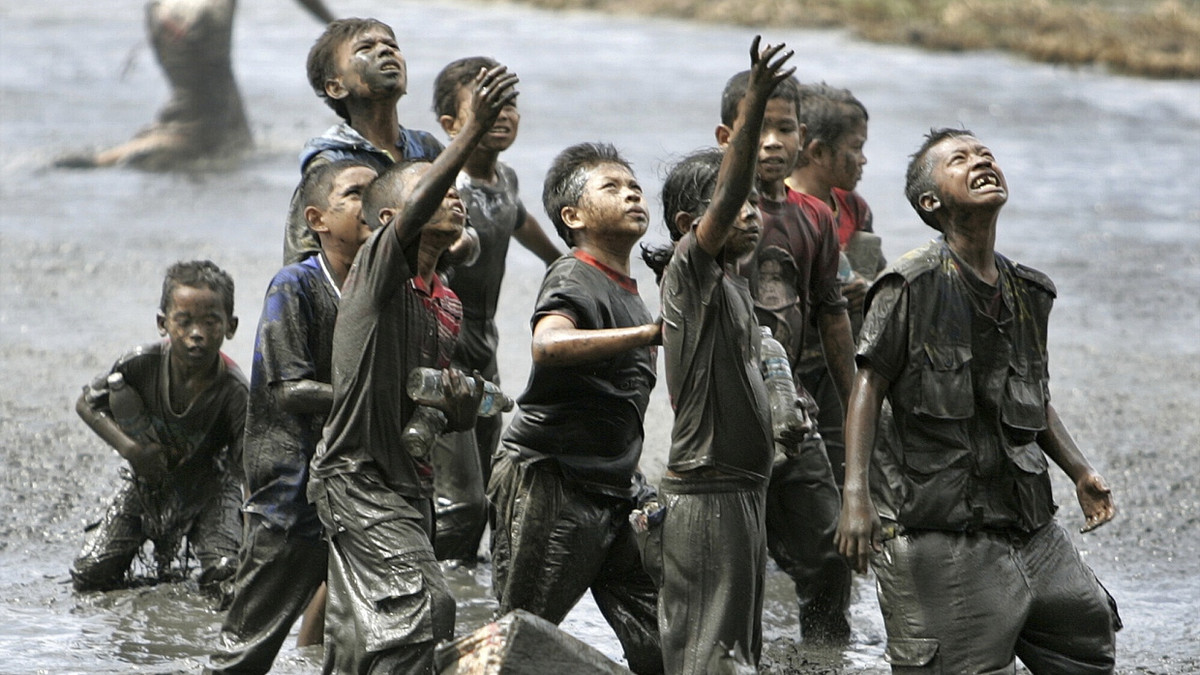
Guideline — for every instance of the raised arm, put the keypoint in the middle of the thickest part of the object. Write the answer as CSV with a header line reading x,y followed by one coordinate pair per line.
x,y
317,9
493,90
736,175
1095,497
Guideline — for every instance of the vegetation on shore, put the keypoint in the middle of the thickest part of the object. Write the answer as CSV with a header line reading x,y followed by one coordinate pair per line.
x,y
1149,38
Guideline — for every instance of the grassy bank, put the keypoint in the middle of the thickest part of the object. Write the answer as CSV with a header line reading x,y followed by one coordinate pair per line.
x,y
1150,38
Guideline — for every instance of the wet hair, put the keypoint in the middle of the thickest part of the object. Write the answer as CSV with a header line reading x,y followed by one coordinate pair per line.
x,y
455,76
567,176
735,91
688,188
322,58
828,113
386,191
918,179
197,274
318,181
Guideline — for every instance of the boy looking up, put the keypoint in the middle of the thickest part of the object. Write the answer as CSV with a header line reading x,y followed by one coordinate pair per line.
x,y
793,276
284,556
489,189
827,170
972,568
185,476
388,602
357,68
713,554
566,479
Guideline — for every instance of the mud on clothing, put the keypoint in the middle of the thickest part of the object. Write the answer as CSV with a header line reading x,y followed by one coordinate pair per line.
x,y
464,460
587,419
960,472
713,540
565,484
342,142
200,494
794,280
283,558
387,599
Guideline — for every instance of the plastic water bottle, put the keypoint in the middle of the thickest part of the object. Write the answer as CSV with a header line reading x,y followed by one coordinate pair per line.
x,y
128,410
423,429
425,387
787,420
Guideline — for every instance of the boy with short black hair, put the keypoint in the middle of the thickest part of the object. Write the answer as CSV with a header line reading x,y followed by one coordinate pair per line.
x,y
185,476
283,559
488,187
793,276
827,170
388,601
713,540
357,68
566,478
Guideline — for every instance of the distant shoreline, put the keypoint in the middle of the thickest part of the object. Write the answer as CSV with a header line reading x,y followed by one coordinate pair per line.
x,y
1153,39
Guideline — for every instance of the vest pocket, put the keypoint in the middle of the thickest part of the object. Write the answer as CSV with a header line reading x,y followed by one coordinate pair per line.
x,y
946,390
1023,410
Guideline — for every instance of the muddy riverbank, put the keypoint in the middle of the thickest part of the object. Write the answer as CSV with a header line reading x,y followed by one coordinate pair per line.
x,y
1104,199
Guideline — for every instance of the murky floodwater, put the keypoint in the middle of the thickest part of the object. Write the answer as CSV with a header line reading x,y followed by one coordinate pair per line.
x,y
1106,199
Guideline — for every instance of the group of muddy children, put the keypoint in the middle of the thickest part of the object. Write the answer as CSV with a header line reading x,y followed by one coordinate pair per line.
x,y
394,253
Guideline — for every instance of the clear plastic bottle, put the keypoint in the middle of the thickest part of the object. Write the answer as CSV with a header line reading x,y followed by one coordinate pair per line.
x,y
423,429
787,420
128,410
425,387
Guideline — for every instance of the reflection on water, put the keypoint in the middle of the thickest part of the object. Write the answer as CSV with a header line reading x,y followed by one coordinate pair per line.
x,y
1105,199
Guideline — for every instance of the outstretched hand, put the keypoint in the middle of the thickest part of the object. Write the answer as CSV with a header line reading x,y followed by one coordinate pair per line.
x,y
766,71
493,90
1095,498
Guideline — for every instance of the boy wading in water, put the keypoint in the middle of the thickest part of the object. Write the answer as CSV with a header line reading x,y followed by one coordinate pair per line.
x,y
284,557
488,187
186,468
566,478
388,601
711,550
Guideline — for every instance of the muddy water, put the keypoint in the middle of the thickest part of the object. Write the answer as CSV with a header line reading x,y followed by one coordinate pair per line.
x,y
1106,199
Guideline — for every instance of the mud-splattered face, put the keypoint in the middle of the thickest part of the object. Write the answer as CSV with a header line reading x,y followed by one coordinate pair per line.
x,y
370,65
779,142
343,216
611,206
747,230
847,159
197,325
966,174
504,130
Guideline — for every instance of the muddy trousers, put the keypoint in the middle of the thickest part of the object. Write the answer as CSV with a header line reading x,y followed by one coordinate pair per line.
x,y
554,541
713,556
213,531
388,603
462,466
968,602
803,506
278,573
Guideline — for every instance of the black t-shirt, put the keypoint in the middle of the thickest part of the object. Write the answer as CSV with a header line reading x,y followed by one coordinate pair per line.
x,y
388,323
588,418
496,212
203,442
294,342
711,342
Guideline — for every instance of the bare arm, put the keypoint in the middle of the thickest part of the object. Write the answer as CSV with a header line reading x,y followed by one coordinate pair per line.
x,y
557,342
533,237
1095,497
149,461
838,345
858,530
736,175
317,9
304,396
493,90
